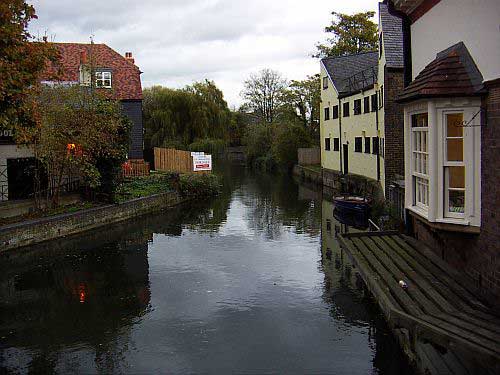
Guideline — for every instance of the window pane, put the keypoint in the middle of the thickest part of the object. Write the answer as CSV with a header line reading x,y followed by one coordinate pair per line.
x,y
419,120
456,201
455,149
456,177
454,122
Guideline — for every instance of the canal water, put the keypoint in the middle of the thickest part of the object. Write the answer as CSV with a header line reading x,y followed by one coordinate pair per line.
x,y
252,281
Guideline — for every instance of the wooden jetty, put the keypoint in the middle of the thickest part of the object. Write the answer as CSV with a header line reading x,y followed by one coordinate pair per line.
x,y
438,318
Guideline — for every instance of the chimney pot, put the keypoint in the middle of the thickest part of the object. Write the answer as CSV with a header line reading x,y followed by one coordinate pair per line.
x,y
83,56
128,56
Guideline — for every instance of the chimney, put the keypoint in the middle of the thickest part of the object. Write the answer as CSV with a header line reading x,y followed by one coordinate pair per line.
x,y
128,56
83,57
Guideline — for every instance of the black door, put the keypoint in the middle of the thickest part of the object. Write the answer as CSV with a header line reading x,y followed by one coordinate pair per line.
x,y
21,176
346,159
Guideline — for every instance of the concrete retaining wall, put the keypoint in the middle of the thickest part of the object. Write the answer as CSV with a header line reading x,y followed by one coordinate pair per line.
x,y
39,230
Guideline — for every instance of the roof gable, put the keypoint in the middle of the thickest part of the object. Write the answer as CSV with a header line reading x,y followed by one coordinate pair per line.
x,y
352,73
452,73
126,81
392,35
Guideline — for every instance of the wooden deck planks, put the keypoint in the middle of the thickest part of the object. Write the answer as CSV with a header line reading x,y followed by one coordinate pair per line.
x,y
440,304
392,282
433,301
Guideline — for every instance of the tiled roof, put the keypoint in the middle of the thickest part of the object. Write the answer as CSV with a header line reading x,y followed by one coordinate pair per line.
x,y
392,35
126,80
351,73
452,73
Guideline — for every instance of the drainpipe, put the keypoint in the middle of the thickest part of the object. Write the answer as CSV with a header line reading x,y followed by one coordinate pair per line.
x,y
375,86
341,149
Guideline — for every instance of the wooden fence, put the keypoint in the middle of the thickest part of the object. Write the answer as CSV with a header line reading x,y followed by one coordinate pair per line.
x,y
309,156
172,160
135,168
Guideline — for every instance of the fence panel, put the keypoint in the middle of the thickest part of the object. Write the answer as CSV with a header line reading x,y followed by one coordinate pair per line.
x,y
172,160
135,168
309,156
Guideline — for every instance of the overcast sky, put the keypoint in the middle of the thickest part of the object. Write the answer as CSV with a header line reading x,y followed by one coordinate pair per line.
x,y
177,42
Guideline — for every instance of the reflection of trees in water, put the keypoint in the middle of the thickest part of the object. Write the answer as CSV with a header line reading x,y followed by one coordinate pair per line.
x,y
72,293
273,202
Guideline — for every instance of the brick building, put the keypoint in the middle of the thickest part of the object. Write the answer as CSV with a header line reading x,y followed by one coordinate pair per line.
x,y
115,75
451,112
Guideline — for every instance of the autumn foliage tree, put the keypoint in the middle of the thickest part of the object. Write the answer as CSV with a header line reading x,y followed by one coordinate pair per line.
x,y
349,34
21,62
79,132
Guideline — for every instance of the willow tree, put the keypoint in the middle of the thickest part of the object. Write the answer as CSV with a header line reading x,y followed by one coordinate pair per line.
x,y
179,117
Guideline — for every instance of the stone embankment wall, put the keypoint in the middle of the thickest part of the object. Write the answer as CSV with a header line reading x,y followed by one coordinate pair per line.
x,y
48,228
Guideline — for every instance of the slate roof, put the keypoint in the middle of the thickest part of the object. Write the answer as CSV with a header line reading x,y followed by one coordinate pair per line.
x,y
452,73
392,35
352,73
126,80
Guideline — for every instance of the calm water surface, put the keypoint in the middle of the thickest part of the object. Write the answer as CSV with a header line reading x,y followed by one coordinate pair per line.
x,y
250,282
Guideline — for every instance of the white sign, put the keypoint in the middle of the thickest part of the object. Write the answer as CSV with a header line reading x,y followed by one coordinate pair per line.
x,y
197,153
202,163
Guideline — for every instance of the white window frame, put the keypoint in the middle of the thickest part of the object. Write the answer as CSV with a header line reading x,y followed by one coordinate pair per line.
x,y
420,185
437,209
102,76
451,163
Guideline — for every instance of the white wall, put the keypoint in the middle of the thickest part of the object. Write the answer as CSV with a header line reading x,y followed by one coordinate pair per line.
x,y
475,22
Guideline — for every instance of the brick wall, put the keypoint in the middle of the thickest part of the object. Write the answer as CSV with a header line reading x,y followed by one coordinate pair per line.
x,y
478,255
394,127
35,231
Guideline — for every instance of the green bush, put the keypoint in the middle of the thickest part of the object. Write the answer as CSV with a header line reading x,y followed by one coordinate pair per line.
x,y
137,187
191,185
269,146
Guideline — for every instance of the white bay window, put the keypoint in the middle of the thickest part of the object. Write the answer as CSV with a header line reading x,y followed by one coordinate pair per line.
x,y
442,155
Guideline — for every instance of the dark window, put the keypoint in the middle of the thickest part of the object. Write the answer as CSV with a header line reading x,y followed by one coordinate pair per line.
x,y
381,96
366,102
375,145
345,109
327,144
328,225
335,112
327,113
325,83
367,145
380,45
336,144
382,145
374,102
357,107
358,144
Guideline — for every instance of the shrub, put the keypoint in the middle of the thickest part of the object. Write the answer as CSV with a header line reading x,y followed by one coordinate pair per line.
x,y
205,184
275,145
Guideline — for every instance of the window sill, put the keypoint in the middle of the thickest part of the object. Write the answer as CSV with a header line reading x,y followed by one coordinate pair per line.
x,y
447,225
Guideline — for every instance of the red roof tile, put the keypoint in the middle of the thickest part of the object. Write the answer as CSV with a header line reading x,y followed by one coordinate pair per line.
x,y
126,80
452,73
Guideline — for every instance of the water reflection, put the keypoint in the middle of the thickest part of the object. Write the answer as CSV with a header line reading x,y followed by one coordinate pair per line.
x,y
253,281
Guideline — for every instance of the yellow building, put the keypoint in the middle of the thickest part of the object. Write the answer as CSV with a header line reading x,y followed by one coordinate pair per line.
x,y
350,125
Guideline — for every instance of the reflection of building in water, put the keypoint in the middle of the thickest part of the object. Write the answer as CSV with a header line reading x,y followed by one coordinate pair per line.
x,y
79,296
349,300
